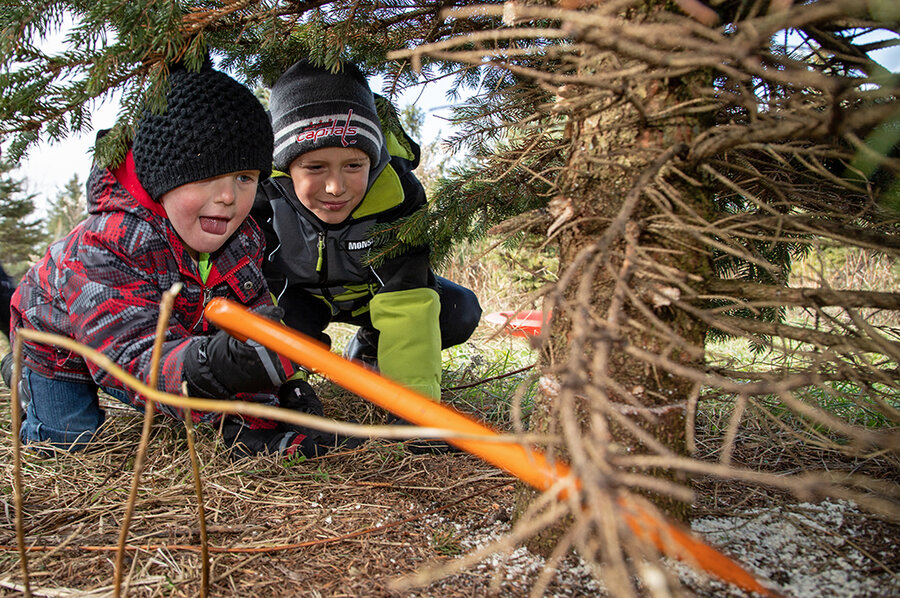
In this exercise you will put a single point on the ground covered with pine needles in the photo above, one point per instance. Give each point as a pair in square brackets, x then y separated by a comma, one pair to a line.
[366, 521]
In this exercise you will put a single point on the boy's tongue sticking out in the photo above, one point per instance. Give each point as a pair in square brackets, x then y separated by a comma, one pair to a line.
[214, 226]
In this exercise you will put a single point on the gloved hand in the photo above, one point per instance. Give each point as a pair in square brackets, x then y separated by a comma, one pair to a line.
[221, 366]
[243, 439]
[298, 395]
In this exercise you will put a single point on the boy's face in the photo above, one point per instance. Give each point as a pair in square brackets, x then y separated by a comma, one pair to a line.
[331, 181]
[206, 213]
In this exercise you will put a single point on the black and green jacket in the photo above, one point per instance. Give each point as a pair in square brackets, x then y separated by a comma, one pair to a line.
[328, 261]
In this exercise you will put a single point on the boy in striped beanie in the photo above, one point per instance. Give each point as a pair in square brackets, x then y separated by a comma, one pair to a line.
[342, 167]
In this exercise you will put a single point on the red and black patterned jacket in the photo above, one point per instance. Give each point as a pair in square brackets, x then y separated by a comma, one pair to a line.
[102, 285]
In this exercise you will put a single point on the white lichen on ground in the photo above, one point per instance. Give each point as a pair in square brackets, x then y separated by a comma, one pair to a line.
[802, 551]
[806, 550]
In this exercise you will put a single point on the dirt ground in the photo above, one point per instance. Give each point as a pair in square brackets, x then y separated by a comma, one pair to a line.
[360, 522]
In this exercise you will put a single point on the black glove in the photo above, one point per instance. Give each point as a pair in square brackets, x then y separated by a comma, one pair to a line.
[285, 439]
[221, 366]
[298, 395]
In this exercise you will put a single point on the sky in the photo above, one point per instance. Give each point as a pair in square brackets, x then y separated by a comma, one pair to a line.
[48, 167]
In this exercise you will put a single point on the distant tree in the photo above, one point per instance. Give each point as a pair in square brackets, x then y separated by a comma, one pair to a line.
[432, 164]
[21, 234]
[413, 118]
[67, 210]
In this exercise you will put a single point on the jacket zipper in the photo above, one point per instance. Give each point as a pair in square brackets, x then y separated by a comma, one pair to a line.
[320, 246]
[320, 268]
[207, 295]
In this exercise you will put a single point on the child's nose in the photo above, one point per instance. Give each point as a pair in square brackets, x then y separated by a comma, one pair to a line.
[226, 191]
[334, 185]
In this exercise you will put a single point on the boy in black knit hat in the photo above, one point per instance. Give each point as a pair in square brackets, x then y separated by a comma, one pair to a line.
[343, 171]
[175, 210]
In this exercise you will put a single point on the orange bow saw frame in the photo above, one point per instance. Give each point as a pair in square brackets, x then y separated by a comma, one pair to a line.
[529, 465]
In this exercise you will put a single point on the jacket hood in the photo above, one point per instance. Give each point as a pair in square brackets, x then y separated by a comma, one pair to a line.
[117, 189]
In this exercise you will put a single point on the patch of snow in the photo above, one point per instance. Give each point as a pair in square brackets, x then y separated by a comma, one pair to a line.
[802, 550]
[521, 567]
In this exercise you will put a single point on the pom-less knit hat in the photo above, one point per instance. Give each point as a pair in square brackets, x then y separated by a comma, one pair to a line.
[212, 125]
[312, 108]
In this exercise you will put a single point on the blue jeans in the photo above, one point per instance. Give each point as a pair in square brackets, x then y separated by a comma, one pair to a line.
[65, 414]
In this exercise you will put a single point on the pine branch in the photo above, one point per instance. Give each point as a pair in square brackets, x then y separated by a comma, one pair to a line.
[801, 297]
[839, 342]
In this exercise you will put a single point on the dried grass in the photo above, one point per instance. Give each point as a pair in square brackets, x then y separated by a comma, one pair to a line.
[349, 524]
[344, 524]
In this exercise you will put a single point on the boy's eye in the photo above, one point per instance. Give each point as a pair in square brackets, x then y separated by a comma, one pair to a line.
[246, 178]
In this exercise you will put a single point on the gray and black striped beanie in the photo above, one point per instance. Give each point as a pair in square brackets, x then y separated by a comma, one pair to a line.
[212, 125]
[312, 108]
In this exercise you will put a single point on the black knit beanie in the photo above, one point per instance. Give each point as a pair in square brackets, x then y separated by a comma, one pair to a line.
[312, 108]
[212, 125]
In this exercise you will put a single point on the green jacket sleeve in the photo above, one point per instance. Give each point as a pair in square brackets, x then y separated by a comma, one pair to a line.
[409, 342]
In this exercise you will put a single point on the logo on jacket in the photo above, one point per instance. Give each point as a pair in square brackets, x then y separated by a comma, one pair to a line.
[333, 128]
[357, 245]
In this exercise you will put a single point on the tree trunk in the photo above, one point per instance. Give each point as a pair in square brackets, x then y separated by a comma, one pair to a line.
[619, 237]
